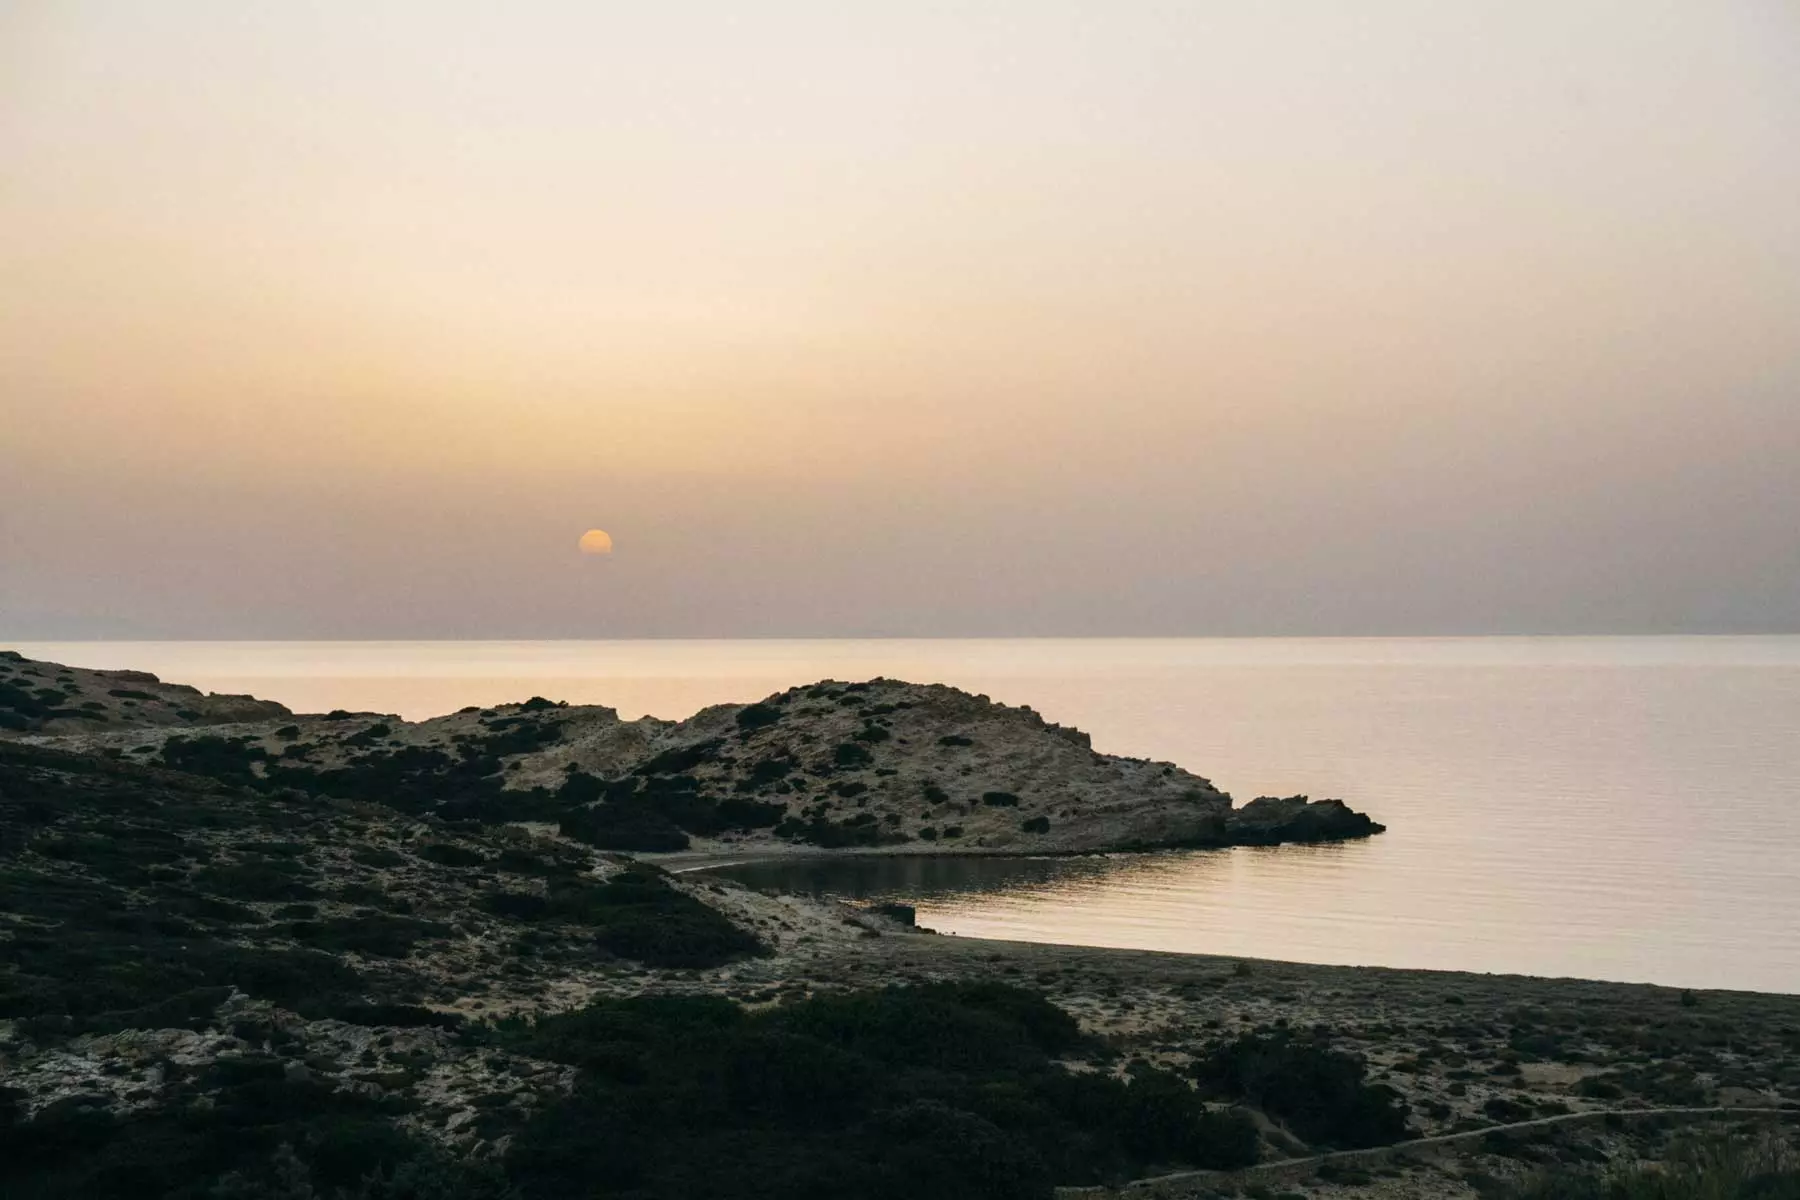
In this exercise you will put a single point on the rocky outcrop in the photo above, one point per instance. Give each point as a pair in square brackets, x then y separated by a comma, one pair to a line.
[879, 766]
[1270, 820]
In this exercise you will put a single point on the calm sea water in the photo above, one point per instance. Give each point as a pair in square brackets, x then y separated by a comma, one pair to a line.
[1616, 808]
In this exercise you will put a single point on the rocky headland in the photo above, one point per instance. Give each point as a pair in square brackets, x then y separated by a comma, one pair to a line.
[879, 766]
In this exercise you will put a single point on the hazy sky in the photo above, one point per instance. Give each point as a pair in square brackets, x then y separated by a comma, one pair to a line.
[995, 316]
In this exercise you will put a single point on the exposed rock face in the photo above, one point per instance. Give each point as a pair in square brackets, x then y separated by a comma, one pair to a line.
[880, 766]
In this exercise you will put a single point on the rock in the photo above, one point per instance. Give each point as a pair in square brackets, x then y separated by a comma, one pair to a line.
[904, 914]
[1271, 820]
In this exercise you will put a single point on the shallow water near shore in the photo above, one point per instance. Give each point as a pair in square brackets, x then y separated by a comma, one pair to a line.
[1612, 808]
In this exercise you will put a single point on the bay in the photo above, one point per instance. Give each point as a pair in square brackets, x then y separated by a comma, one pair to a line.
[1611, 808]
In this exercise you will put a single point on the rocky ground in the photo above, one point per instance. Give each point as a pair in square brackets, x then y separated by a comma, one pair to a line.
[192, 941]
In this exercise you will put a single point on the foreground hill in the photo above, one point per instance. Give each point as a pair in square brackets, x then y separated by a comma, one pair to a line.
[223, 992]
[878, 766]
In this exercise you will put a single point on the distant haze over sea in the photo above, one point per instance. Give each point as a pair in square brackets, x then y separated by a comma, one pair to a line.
[1616, 808]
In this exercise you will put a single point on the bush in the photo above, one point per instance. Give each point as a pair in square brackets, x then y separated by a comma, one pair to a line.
[757, 716]
[849, 754]
[263, 1137]
[377, 934]
[449, 855]
[645, 919]
[255, 881]
[1035, 825]
[948, 1090]
[999, 799]
[1318, 1091]
[638, 916]
[623, 827]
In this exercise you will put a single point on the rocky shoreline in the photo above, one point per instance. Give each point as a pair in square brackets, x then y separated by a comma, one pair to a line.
[322, 956]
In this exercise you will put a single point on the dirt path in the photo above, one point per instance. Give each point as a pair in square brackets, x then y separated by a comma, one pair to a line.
[1167, 1185]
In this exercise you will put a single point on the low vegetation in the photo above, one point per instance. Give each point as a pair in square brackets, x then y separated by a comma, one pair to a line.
[949, 1090]
[1319, 1092]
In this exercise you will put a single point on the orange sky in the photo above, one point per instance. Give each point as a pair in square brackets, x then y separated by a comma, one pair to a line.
[1030, 316]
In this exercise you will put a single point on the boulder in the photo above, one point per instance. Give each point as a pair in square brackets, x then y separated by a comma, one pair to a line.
[1271, 820]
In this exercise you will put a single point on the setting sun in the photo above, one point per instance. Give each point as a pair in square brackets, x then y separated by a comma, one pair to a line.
[596, 541]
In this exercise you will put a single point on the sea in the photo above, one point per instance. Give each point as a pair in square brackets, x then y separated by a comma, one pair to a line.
[1621, 808]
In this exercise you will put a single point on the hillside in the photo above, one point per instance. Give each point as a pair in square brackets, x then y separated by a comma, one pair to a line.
[879, 766]
[350, 971]
[48, 698]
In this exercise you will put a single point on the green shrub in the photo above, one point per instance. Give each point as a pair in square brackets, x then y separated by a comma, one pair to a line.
[1318, 1091]
[1035, 825]
[999, 799]
[450, 855]
[638, 916]
[948, 1090]
[255, 881]
[757, 716]
[643, 918]
[622, 827]
[849, 754]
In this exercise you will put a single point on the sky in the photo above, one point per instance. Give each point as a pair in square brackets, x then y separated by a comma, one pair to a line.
[1010, 317]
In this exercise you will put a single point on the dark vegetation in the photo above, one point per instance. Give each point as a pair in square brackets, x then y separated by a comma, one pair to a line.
[1320, 1093]
[656, 812]
[132, 893]
[638, 916]
[465, 783]
[1716, 1168]
[235, 1129]
[950, 1090]
[757, 716]
[121, 918]
[24, 708]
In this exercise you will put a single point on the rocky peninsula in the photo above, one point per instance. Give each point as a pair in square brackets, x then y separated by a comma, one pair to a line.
[880, 766]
